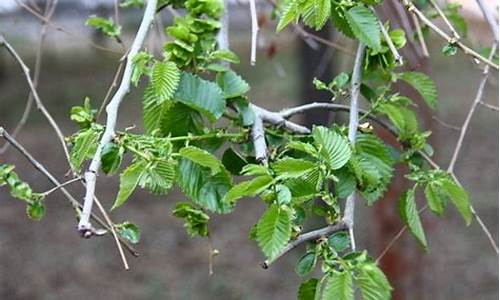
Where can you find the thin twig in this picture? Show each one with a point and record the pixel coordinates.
(493, 23)
(420, 35)
(397, 57)
(412, 9)
(45, 194)
(477, 99)
(38, 102)
(59, 28)
(445, 19)
(50, 7)
(353, 129)
(84, 226)
(444, 124)
(255, 31)
(76, 205)
(110, 89)
(492, 107)
(305, 237)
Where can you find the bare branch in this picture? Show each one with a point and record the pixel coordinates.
(477, 100)
(353, 129)
(489, 18)
(420, 35)
(38, 102)
(444, 124)
(59, 28)
(50, 7)
(255, 31)
(387, 38)
(445, 19)
(492, 107)
(84, 226)
(412, 9)
(76, 205)
(259, 138)
(45, 194)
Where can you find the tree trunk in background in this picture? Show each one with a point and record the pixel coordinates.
(315, 62)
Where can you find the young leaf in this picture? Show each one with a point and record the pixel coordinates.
(435, 198)
(283, 194)
(201, 95)
(365, 26)
(164, 80)
(372, 282)
(338, 286)
(159, 177)
(203, 188)
(334, 148)
(153, 109)
(202, 158)
(423, 84)
(129, 180)
(111, 158)
(459, 198)
(307, 289)
(36, 210)
(226, 55)
(140, 65)
(231, 84)
(292, 167)
(129, 231)
(248, 188)
(290, 14)
(196, 221)
(104, 25)
(273, 230)
(339, 241)
(306, 264)
(409, 214)
(84, 146)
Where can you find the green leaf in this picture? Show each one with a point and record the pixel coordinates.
(164, 80)
(283, 194)
(365, 26)
(231, 84)
(201, 95)
(449, 50)
(178, 120)
(104, 25)
(436, 199)
(339, 241)
(248, 188)
(201, 157)
(196, 221)
(306, 264)
(111, 158)
(292, 167)
(333, 148)
(372, 282)
(129, 180)
(273, 230)
(84, 146)
(346, 185)
(203, 188)
(338, 286)
(246, 113)
(307, 289)
(423, 84)
(153, 109)
(140, 66)
(459, 198)
(159, 177)
(36, 210)
(290, 14)
(409, 214)
(233, 161)
(403, 118)
(226, 55)
(129, 231)
(322, 10)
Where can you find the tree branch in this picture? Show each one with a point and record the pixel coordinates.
(489, 18)
(38, 102)
(353, 129)
(412, 9)
(255, 31)
(84, 226)
(50, 7)
(387, 38)
(76, 205)
(445, 19)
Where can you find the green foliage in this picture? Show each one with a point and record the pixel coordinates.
(106, 26)
(273, 230)
(231, 84)
(164, 79)
(202, 157)
(423, 84)
(306, 264)
(84, 115)
(111, 158)
(307, 289)
(364, 25)
(84, 145)
(333, 148)
(338, 285)
(196, 221)
(129, 180)
(409, 213)
(129, 231)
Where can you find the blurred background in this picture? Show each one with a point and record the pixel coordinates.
(48, 260)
